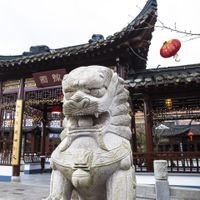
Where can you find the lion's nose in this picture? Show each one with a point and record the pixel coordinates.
(77, 97)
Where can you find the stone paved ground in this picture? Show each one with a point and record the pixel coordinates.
(18, 191)
(36, 187)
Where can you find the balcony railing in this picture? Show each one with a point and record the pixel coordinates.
(179, 162)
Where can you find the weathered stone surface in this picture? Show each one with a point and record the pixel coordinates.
(94, 157)
(162, 190)
(160, 169)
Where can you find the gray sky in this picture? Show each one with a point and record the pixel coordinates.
(61, 23)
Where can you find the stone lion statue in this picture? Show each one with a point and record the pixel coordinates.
(94, 157)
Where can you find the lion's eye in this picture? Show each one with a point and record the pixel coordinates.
(68, 94)
(98, 92)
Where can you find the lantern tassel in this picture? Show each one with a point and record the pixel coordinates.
(176, 58)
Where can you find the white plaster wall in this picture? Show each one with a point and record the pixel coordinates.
(5, 170)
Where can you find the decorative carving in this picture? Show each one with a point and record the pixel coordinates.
(50, 96)
(9, 85)
(94, 157)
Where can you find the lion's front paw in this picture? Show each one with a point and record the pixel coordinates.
(54, 197)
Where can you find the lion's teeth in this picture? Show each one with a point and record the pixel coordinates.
(96, 115)
(85, 122)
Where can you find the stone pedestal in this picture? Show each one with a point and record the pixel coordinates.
(161, 176)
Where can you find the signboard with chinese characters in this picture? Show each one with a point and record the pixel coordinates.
(49, 78)
(17, 133)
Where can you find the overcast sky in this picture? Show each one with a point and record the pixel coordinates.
(62, 23)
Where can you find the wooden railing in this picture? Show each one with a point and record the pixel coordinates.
(181, 162)
(5, 157)
(33, 157)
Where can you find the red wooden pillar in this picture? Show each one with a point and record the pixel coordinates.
(1, 111)
(33, 141)
(17, 139)
(1, 118)
(133, 128)
(148, 132)
(121, 68)
(43, 138)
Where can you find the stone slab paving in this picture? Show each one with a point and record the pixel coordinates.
(31, 187)
(18, 191)
(36, 186)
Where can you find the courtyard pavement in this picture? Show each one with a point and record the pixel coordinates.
(36, 186)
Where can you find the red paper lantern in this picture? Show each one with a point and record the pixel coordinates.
(56, 109)
(170, 48)
(190, 135)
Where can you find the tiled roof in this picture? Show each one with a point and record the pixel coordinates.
(176, 130)
(165, 76)
(137, 35)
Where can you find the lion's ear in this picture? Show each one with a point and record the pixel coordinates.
(113, 83)
(65, 77)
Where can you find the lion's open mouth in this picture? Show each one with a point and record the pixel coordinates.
(95, 121)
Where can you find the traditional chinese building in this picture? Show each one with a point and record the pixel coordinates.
(170, 101)
(33, 80)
